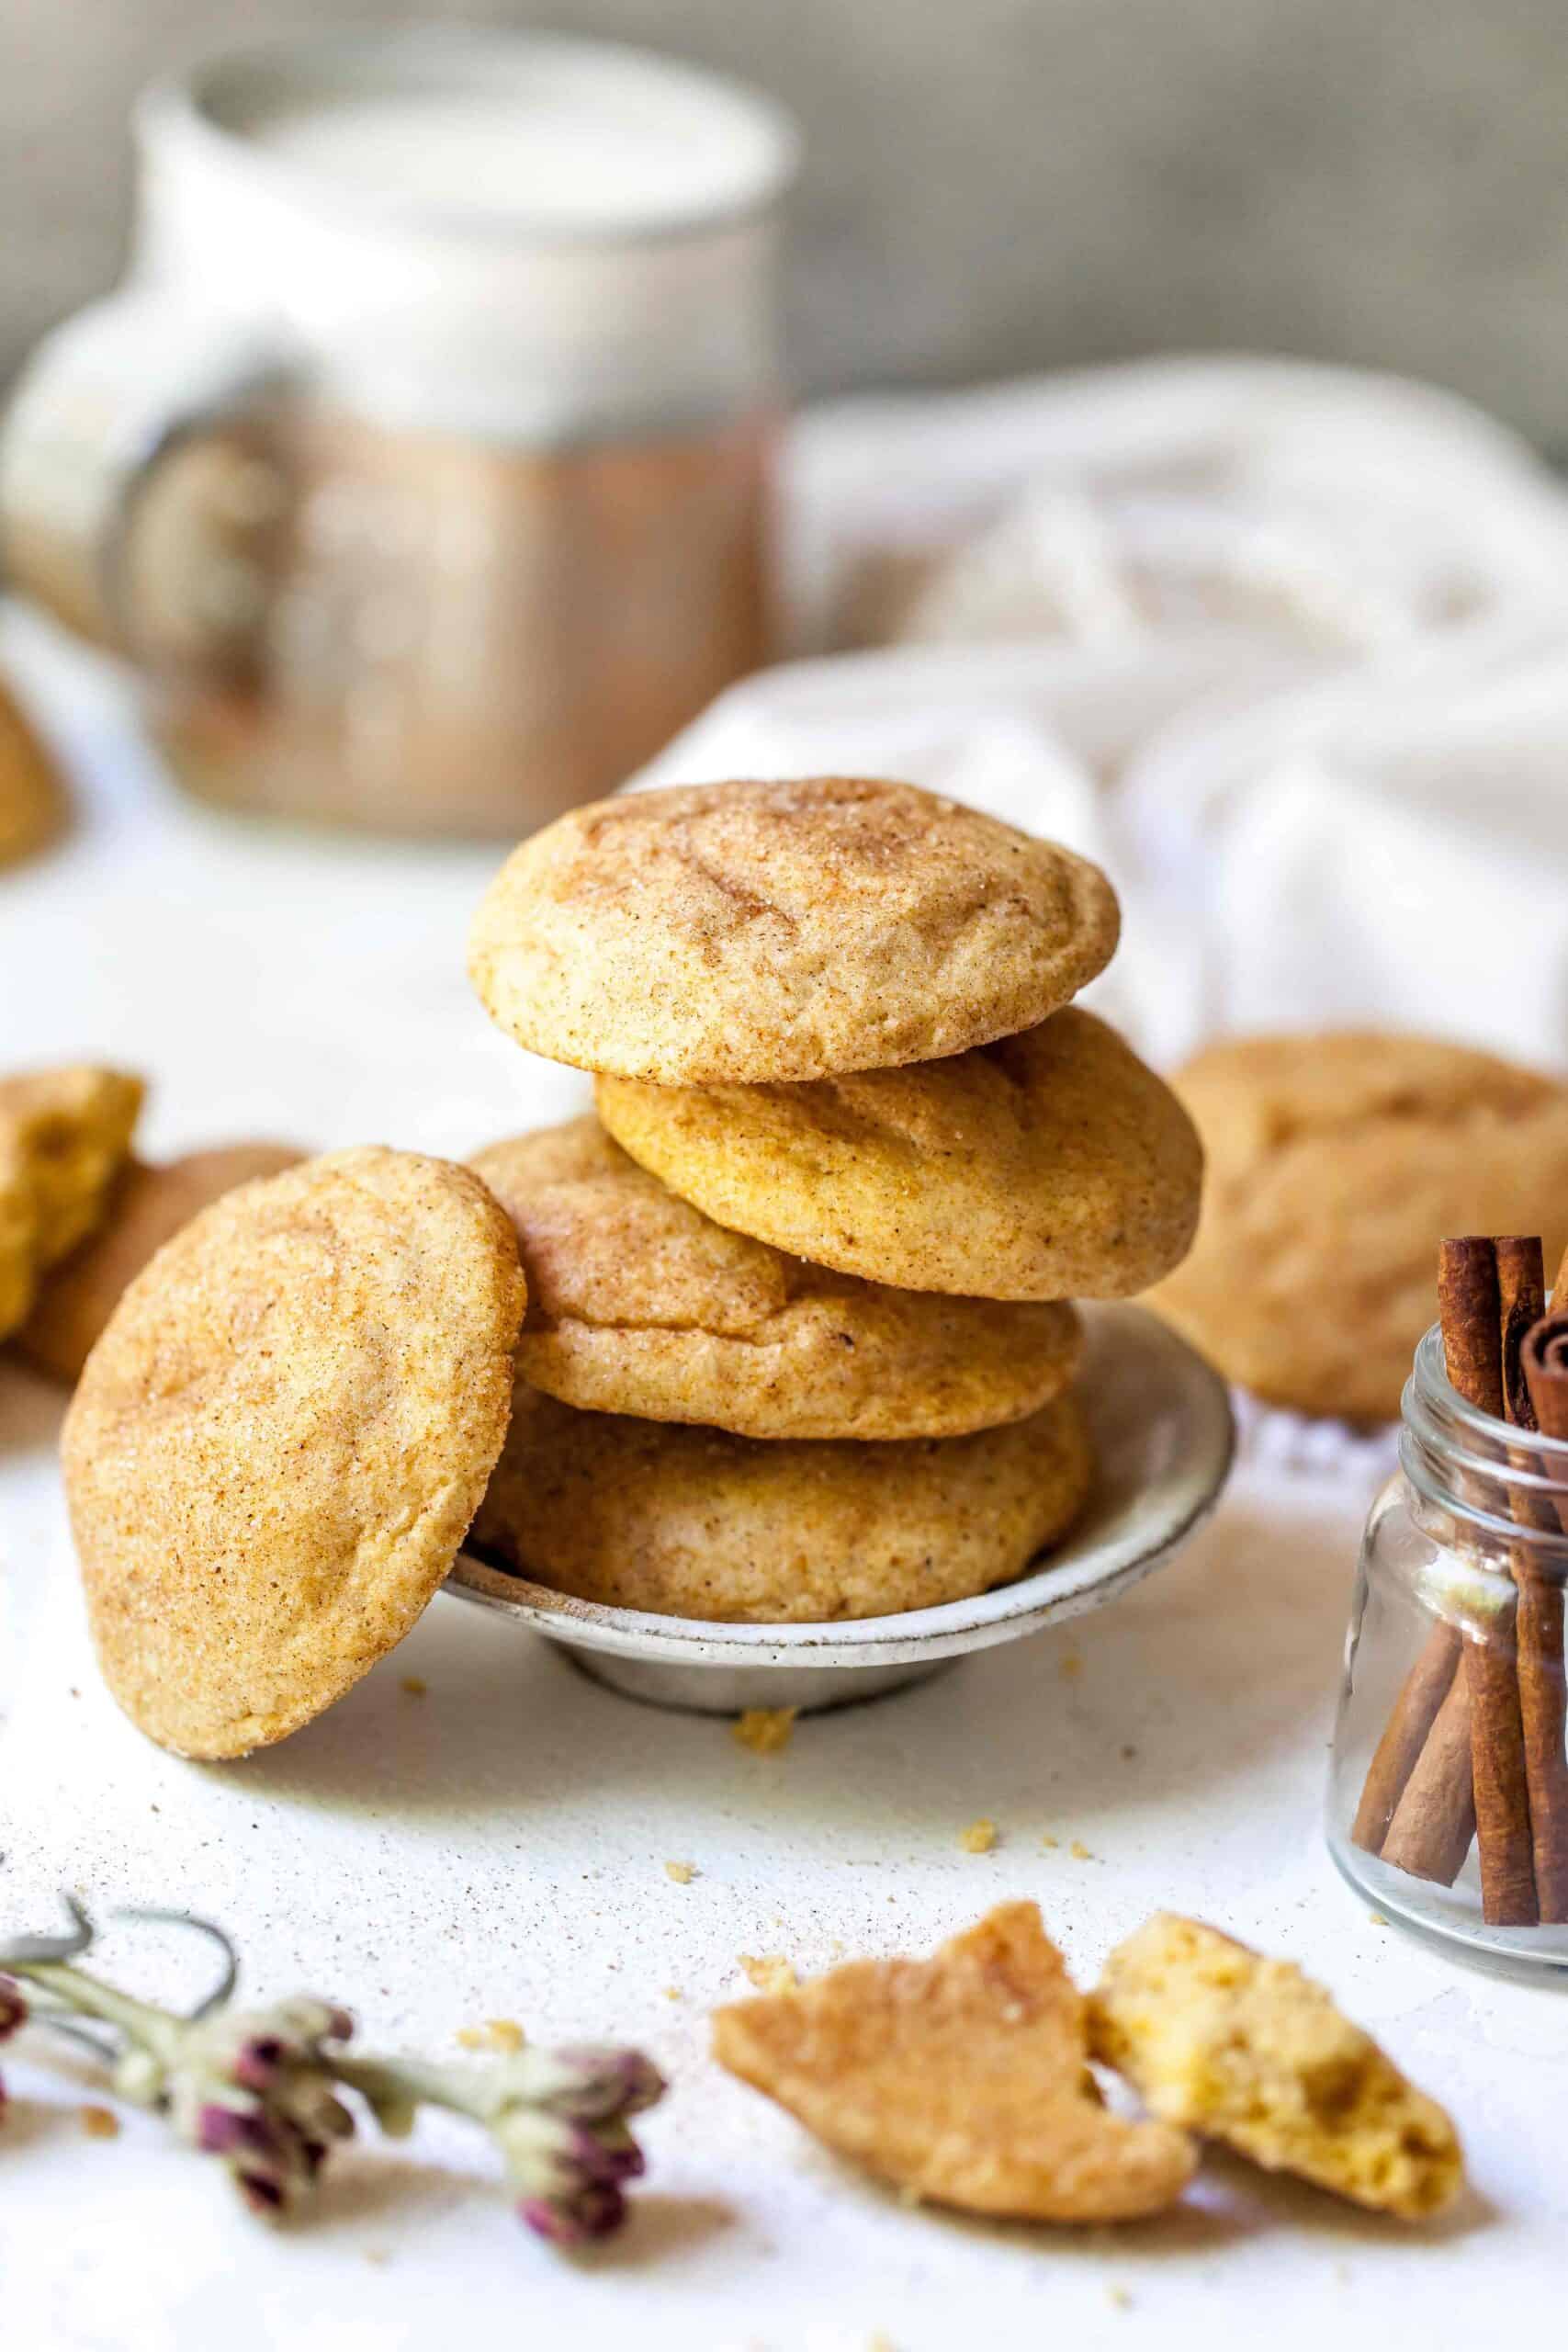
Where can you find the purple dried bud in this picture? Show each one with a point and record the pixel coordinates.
(260, 2192)
(12, 2008)
(595, 2211)
(606, 2157)
(607, 2083)
(258, 2062)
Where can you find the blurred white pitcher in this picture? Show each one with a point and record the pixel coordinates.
(423, 465)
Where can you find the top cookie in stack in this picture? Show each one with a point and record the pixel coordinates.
(831, 1018)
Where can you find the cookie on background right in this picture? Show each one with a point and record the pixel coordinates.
(1336, 1160)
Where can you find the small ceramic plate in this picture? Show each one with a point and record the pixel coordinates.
(1163, 1435)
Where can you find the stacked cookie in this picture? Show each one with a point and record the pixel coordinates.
(797, 1344)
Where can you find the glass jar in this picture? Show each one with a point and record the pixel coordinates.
(422, 466)
(1453, 1701)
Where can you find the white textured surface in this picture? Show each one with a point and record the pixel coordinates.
(496, 1847)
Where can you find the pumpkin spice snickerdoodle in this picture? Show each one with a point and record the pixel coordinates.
(693, 1523)
(64, 1135)
(962, 2079)
(638, 1303)
(276, 1446)
(147, 1207)
(738, 933)
(1337, 1162)
(1222, 2041)
(1049, 1165)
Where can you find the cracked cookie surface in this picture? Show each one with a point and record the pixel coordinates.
(746, 933)
(1337, 1162)
(276, 1446)
(1219, 2039)
(638, 1303)
(1049, 1165)
(693, 1523)
(962, 2079)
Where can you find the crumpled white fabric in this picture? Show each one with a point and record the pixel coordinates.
(1286, 647)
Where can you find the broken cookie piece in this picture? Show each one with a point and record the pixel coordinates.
(64, 1136)
(1245, 2050)
(962, 2079)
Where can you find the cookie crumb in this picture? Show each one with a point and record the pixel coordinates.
(414, 1685)
(99, 2122)
(1048, 1841)
(979, 1838)
(673, 1992)
(1377, 1918)
(770, 1973)
(1079, 1852)
(765, 1730)
(681, 1872)
(1121, 2297)
(496, 2033)
(1071, 1667)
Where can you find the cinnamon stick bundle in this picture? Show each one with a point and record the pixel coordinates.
(1451, 1762)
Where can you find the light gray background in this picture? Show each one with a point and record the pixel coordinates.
(1001, 184)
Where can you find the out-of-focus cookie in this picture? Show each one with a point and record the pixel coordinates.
(147, 1207)
(1050, 1165)
(744, 933)
(1336, 1163)
(1245, 2050)
(962, 2079)
(64, 1136)
(693, 1523)
(638, 1303)
(33, 803)
(275, 1447)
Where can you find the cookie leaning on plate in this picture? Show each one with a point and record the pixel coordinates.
(1050, 1165)
(692, 1522)
(1336, 1163)
(638, 1303)
(738, 933)
(147, 1207)
(278, 1445)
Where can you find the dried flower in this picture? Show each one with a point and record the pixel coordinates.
(260, 2089)
(12, 2013)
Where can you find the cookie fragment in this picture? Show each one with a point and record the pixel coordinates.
(276, 1446)
(33, 801)
(64, 1135)
(1223, 2041)
(962, 2079)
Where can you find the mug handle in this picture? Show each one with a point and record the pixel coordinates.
(97, 525)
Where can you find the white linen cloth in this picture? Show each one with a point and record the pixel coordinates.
(1290, 655)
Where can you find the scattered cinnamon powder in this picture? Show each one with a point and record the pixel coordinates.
(765, 1730)
(979, 1838)
(770, 1973)
(99, 2122)
(681, 1872)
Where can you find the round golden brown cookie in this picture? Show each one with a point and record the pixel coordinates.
(1337, 1164)
(692, 1522)
(638, 1303)
(147, 1207)
(1050, 1165)
(276, 1446)
(64, 1136)
(742, 932)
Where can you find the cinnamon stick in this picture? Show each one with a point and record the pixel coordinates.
(1543, 1690)
(1481, 1284)
(1435, 1819)
(1410, 1721)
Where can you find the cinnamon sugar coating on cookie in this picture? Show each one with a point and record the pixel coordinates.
(746, 933)
(638, 1303)
(962, 2079)
(276, 1446)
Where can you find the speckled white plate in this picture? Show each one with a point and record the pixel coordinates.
(1163, 1436)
